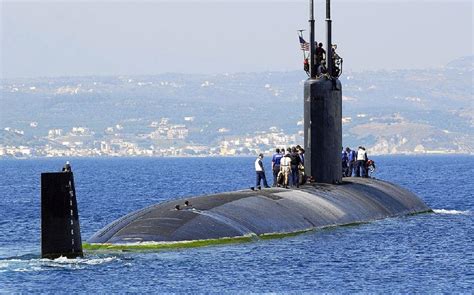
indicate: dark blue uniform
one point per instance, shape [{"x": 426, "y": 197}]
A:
[
  {"x": 352, "y": 156},
  {"x": 344, "y": 160},
  {"x": 276, "y": 167}
]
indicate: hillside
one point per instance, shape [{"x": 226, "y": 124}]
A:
[{"x": 403, "y": 111}]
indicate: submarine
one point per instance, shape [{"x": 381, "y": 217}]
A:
[{"x": 326, "y": 200}]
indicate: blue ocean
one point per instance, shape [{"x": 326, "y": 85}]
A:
[{"x": 426, "y": 253}]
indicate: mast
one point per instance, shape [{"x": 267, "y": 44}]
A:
[
  {"x": 312, "y": 67},
  {"x": 329, "y": 38}
]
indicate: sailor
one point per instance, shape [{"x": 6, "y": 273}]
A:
[
  {"x": 301, "y": 174},
  {"x": 320, "y": 56},
  {"x": 276, "y": 165},
  {"x": 360, "y": 163},
  {"x": 344, "y": 160},
  {"x": 300, "y": 153},
  {"x": 351, "y": 155},
  {"x": 295, "y": 162},
  {"x": 67, "y": 167},
  {"x": 285, "y": 168},
  {"x": 306, "y": 65},
  {"x": 370, "y": 166},
  {"x": 335, "y": 58},
  {"x": 321, "y": 69},
  {"x": 260, "y": 172}
]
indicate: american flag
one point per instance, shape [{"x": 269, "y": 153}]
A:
[{"x": 304, "y": 45}]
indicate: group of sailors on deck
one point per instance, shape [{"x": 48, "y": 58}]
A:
[
  {"x": 356, "y": 163},
  {"x": 288, "y": 166}
]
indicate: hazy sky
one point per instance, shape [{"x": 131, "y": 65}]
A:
[{"x": 58, "y": 38}]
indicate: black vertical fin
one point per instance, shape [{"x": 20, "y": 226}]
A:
[{"x": 60, "y": 230}]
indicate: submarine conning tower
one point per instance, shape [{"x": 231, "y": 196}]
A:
[{"x": 322, "y": 111}]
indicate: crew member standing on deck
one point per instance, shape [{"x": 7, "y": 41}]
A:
[
  {"x": 285, "y": 167},
  {"x": 300, "y": 153},
  {"x": 276, "y": 165},
  {"x": 260, "y": 171},
  {"x": 360, "y": 163},
  {"x": 295, "y": 162},
  {"x": 351, "y": 155},
  {"x": 301, "y": 174},
  {"x": 345, "y": 160}
]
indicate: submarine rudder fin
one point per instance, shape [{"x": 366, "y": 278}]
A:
[{"x": 60, "y": 229}]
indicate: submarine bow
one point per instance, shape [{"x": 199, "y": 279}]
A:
[{"x": 259, "y": 213}]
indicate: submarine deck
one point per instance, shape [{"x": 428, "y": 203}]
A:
[{"x": 269, "y": 211}]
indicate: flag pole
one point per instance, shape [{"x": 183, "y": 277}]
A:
[{"x": 300, "y": 34}]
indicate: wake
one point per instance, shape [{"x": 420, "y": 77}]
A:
[
  {"x": 17, "y": 264},
  {"x": 451, "y": 212}
]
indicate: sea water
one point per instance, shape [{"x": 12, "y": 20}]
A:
[{"x": 423, "y": 253}]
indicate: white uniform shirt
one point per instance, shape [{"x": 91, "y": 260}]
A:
[
  {"x": 361, "y": 154},
  {"x": 285, "y": 162},
  {"x": 257, "y": 165}
]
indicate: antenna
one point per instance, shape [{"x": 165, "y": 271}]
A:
[
  {"x": 312, "y": 69},
  {"x": 329, "y": 37}
]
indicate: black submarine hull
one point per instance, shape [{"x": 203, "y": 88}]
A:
[{"x": 270, "y": 211}]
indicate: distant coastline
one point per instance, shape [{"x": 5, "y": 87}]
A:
[
  {"x": 216, "y": 156},
  {"x": 425, "y": 111}
]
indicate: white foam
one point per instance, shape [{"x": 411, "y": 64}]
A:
[
  {"x": 78, "y": 261},
  {"x": 28, "y": 265},
  {"x": 452, "y": 212},
  {"x": 99, "y": 260}
]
